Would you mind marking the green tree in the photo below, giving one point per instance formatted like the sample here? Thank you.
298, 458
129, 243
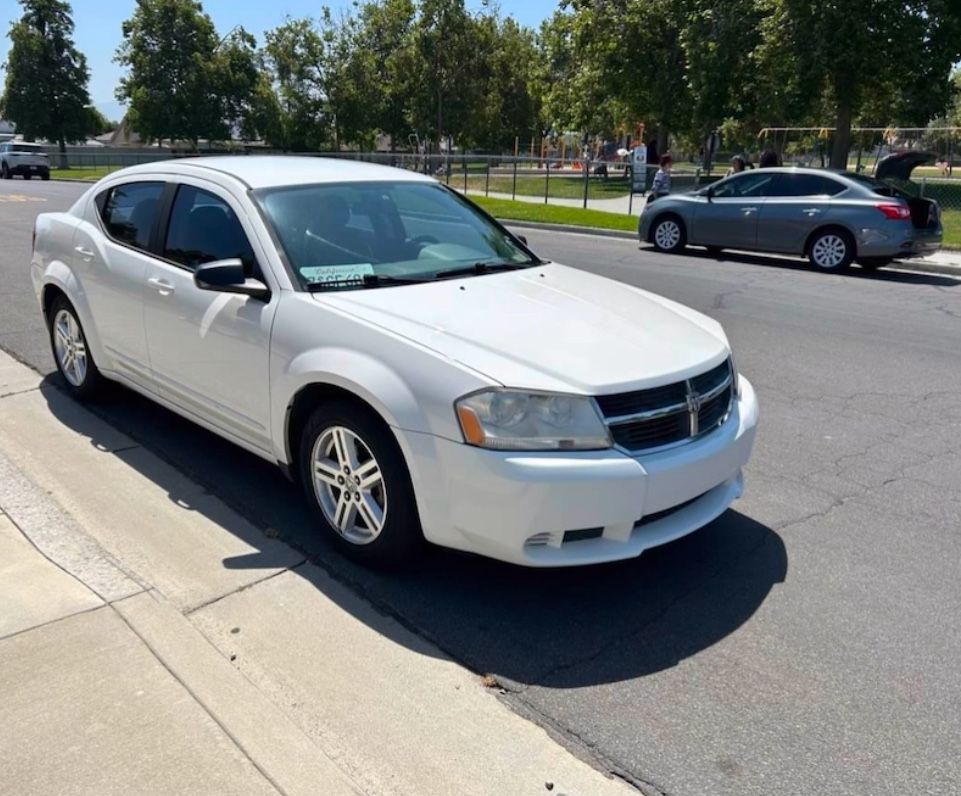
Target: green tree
291, 56
97, 123
183, 82
45, 92
386, 65
449, 89
841, 53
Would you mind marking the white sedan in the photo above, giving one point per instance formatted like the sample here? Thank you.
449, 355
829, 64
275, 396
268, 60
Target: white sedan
399, 353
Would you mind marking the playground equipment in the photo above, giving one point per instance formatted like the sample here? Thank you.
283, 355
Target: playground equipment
870, 143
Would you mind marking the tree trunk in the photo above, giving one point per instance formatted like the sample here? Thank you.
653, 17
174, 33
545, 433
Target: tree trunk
842, 137
663, 138
63, 152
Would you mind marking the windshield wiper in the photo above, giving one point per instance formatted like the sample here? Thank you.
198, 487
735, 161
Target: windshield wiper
368, 280
483, 267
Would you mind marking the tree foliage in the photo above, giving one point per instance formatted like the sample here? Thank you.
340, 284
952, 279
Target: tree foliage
182, 81
45, 92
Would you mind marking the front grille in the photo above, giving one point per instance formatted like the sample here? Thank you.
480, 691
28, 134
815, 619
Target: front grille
647, 419
653, 433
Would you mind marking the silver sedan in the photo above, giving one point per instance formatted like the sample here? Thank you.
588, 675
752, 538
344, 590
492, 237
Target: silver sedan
832, 218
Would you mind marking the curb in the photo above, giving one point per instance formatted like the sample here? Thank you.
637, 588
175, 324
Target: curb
903, 265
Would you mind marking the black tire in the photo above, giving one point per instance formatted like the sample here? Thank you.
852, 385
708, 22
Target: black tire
831, 249
91, 385
668, 234
5, 172
45, 176
872, 264
400, 536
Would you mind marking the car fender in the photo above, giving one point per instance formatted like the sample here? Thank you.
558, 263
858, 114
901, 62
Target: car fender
58, 274
360, 374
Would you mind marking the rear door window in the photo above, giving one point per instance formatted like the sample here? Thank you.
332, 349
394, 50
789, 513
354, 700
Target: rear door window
203, 228
755, 183
128, 212
805, 185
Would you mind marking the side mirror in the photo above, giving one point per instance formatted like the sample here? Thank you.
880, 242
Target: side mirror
522, 239
227, 276
710, 193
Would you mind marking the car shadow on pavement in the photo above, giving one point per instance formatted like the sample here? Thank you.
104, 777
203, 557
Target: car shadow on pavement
796, 264
556, 628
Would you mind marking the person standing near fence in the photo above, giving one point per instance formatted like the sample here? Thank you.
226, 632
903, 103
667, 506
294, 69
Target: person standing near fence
662, 180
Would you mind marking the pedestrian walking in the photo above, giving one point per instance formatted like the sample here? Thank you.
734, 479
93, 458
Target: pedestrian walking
662, 180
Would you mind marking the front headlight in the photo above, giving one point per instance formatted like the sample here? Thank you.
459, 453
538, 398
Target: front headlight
527, 421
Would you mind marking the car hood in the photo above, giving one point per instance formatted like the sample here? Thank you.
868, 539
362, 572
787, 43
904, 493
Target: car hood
549, 328
900, 165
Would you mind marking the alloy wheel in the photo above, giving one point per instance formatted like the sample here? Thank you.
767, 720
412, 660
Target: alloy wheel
70, 347
829, 251
349, 485
667, 235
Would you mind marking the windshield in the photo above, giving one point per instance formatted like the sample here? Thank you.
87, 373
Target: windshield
350, 235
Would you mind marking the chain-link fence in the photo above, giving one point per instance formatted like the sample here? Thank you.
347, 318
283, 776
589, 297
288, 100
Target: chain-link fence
597, 184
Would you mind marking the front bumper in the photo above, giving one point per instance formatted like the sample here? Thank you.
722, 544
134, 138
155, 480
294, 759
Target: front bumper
517, 507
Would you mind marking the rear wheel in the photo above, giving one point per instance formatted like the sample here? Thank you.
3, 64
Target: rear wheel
71, 352
357, 483
668, 234
874, 263
831, 250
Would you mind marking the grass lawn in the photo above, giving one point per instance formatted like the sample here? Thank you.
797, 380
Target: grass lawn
83, 173
555, 214
561, 187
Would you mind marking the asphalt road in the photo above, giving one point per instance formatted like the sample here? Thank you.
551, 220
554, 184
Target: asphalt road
807, 642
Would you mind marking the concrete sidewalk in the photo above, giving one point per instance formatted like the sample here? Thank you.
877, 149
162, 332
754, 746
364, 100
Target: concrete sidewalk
153, 641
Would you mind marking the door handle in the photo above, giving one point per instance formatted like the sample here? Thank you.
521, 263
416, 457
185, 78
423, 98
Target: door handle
748, 210
85, 253
811, 211
161, 285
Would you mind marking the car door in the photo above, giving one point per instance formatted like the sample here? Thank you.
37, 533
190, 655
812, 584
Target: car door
728, 215
110, 257
209, 351
796, 203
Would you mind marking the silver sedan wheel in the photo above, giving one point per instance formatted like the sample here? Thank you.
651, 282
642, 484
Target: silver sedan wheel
70, 348
667, 235
349, 485
829, 251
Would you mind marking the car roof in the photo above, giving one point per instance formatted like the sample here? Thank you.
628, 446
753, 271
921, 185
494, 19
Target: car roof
269, 171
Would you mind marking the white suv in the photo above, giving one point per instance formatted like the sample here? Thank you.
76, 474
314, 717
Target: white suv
411, 362
27, 160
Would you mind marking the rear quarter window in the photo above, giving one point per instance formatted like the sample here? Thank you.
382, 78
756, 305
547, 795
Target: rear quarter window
128, 212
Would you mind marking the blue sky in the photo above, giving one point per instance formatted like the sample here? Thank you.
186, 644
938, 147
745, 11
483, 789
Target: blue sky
98, 28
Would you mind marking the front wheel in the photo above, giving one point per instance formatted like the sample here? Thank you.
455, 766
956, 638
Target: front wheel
668, 234
357, 483
71, 352
5, 171
45, 176
831, 250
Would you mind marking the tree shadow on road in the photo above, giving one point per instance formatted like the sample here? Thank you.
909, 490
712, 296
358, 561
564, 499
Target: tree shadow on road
558, 628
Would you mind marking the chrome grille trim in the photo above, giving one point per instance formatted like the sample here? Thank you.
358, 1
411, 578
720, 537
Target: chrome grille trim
652, 429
